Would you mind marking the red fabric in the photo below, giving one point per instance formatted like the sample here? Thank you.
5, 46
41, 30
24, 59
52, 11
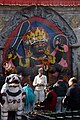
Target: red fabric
51, 105
41, 2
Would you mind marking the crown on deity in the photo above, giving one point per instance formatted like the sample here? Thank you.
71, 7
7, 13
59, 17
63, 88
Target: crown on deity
37, 35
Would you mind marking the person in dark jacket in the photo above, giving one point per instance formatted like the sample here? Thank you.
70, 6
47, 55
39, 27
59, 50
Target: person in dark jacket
60, 87
50, 101
72, 98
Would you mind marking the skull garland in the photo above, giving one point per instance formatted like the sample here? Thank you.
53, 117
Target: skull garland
13, 97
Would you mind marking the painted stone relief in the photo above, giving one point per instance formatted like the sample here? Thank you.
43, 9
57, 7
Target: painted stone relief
37, 42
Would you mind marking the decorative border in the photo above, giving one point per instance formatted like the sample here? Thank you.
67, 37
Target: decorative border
41, 2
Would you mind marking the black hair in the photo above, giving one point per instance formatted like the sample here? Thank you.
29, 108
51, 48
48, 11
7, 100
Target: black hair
74, 80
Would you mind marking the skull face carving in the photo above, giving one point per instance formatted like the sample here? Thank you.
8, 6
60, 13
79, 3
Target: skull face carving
12, 97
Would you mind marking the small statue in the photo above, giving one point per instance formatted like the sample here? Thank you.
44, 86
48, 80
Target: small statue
13, 97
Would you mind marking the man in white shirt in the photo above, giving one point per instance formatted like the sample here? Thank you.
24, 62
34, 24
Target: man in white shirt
40, 82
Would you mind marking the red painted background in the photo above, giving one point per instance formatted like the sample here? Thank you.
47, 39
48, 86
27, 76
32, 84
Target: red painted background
41, 2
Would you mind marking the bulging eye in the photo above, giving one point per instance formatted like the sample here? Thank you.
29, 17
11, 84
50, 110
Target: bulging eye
9, 78
13, 78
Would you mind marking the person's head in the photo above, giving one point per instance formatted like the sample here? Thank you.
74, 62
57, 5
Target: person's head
66, 78
40, 71
66, 72
25, 79
25, 84
72, 81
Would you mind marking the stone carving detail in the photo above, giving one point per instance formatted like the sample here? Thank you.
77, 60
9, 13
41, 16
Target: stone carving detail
1, 22
51, 15
75, 21
44, 12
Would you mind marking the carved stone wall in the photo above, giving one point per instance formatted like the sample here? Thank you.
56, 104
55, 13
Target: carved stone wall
70, 14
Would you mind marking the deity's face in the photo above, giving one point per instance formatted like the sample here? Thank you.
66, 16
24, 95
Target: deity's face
39, 47
36, 40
